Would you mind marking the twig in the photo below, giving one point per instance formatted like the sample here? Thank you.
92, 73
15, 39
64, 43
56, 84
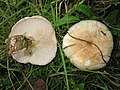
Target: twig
9, 74
27, 81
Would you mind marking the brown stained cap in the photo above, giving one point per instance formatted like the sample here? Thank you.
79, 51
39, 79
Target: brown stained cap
88, 44
40, 33
40, 85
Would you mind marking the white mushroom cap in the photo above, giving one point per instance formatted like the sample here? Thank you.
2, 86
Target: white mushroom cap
43, 33
88, 44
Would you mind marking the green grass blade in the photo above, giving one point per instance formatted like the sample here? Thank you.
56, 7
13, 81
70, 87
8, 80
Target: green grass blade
64, 66
100, 87
84, 9
66, 20
14, 15
7, 3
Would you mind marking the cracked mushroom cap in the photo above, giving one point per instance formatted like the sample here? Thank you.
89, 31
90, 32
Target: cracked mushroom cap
88, 44
45, 43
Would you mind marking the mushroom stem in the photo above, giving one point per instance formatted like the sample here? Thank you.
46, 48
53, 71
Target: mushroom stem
88, 43
19, 42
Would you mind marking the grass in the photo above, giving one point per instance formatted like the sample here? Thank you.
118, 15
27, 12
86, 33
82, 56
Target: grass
60, 74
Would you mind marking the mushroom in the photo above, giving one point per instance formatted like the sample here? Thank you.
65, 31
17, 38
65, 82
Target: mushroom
88, 44
32, 40
40, 85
